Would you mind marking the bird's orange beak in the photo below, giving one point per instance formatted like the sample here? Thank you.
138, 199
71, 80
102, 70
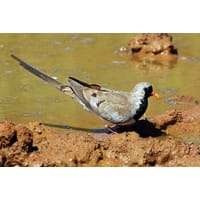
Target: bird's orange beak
155, 95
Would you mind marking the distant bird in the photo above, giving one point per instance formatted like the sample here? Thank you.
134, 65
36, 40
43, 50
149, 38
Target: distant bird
115, 107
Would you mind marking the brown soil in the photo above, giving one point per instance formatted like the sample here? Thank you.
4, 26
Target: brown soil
152, 48
156, 142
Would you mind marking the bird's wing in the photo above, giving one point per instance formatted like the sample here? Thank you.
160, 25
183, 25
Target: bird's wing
110, 105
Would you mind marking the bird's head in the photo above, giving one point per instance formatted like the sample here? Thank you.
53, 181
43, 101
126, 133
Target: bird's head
144, 90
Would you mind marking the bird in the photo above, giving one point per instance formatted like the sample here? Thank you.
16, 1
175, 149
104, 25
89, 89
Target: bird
114, 107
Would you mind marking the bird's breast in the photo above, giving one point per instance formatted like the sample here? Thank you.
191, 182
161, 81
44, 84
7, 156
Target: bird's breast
140, 109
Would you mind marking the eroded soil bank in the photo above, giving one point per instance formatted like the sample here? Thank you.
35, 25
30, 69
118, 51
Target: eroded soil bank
170, 139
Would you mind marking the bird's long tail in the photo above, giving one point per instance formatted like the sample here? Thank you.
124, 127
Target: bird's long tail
43, 76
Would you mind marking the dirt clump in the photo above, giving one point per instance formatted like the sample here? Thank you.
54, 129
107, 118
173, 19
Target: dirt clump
169, 118
152, 49
180, 122
153, 44
189, 125
16, 144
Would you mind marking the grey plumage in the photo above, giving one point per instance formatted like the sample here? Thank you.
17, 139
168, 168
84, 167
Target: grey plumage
117, 107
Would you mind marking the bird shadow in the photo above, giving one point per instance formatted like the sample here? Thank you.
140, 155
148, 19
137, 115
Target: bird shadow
143, 127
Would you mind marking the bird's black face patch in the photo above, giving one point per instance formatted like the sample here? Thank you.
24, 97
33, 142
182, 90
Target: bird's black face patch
148, 90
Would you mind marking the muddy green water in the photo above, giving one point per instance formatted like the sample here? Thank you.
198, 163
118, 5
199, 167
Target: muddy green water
93, 58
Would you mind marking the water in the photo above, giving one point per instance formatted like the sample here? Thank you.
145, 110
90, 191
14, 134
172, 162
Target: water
92, 58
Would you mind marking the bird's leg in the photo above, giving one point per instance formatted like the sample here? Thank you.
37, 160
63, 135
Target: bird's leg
110, 129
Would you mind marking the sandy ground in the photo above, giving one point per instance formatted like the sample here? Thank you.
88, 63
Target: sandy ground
170, 139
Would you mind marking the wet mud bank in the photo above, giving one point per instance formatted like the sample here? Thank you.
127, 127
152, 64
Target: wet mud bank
170, 139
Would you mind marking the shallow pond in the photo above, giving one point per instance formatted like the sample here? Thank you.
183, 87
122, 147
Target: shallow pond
92, 58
